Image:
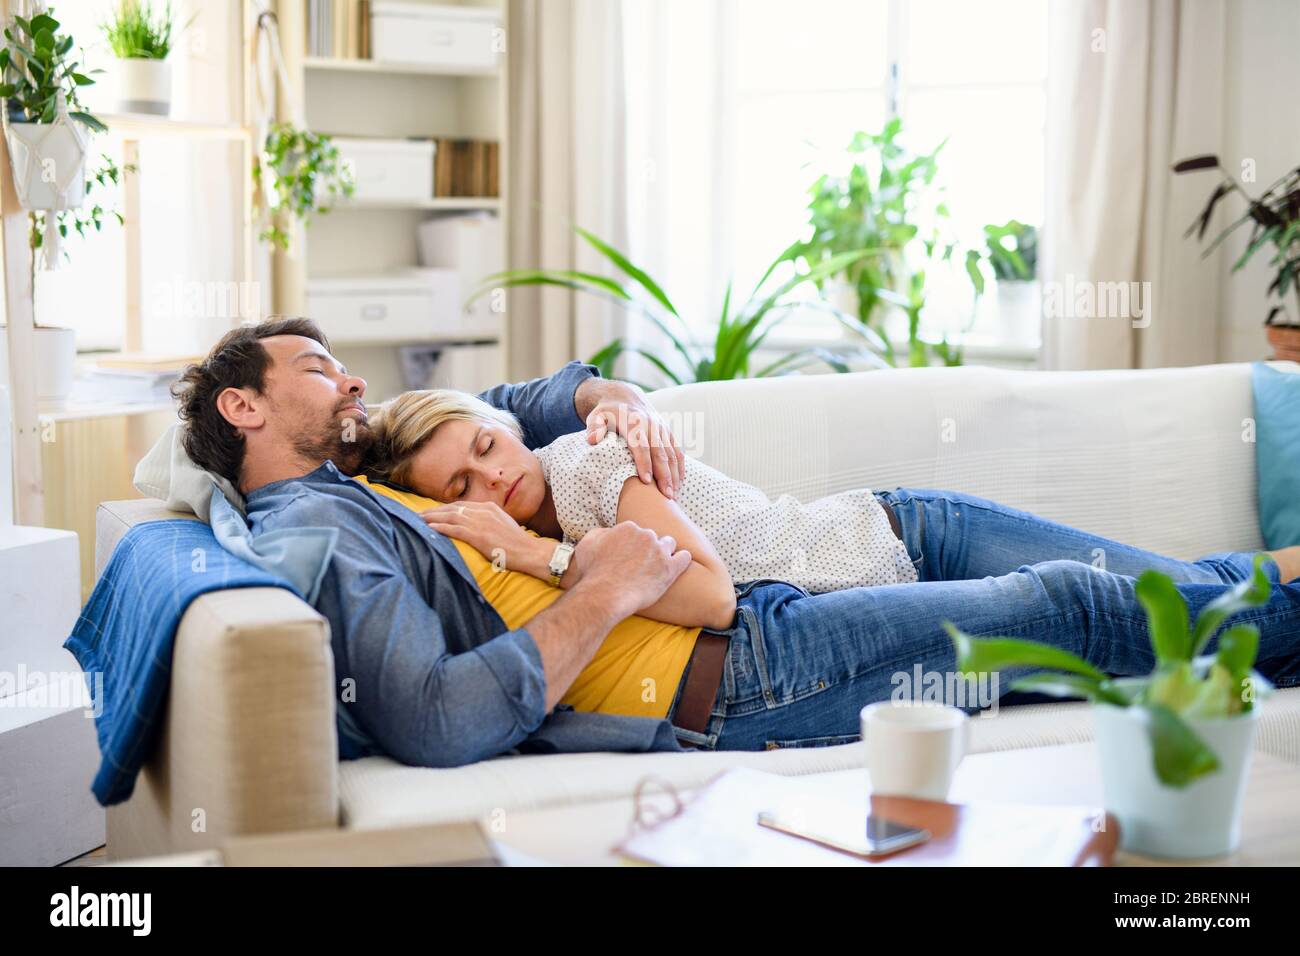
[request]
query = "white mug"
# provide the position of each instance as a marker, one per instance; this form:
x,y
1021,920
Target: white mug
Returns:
x,y
914,747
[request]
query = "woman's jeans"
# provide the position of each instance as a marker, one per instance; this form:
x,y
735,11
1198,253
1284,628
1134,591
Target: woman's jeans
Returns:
x,y
802,666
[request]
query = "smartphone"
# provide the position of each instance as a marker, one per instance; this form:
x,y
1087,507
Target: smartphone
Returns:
x,y
848,832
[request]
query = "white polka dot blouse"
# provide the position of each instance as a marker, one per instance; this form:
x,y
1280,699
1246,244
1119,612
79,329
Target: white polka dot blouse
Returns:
x,y
837,542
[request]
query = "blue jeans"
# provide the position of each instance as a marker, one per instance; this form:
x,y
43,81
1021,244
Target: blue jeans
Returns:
x,y
801,666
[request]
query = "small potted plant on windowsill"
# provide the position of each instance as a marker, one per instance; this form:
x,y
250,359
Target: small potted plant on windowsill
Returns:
x,y
1275,221
1175,746
141,39
1012,253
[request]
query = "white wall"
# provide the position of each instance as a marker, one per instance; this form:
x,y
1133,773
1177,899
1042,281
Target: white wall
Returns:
x,y
1262,123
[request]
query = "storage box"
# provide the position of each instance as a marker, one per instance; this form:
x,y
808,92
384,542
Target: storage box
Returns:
x,y
389,169
470,368
473,246
454,37
409,306
40,591
49,753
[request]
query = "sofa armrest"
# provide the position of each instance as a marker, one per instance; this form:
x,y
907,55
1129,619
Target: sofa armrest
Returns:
x,y
248,744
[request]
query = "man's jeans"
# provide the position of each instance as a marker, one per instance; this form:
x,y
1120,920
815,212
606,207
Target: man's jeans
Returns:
x,y
801,666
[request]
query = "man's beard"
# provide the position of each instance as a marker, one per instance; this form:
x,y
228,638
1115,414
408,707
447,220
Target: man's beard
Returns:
x,y
344,441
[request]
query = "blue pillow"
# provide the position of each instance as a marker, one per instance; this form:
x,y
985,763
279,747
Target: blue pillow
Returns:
x,y
1277,454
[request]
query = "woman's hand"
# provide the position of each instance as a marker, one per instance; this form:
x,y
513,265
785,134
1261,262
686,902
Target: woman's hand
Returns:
x,y
485,527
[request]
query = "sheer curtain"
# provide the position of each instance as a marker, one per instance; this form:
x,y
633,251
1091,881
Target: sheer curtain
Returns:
x,y
1133,86
567,167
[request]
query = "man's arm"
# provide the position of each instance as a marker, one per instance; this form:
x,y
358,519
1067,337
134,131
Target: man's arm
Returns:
x,y
427,706
546,407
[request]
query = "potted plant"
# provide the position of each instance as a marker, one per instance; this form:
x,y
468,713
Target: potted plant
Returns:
x,y
141,39
1011,250
1275,221
886,199
48,136
298,174
1175,746
739,333
47,131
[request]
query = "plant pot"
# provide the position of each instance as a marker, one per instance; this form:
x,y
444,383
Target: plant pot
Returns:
x,y
1200,820
49,164
142,86
56,360
1019,304
1285,340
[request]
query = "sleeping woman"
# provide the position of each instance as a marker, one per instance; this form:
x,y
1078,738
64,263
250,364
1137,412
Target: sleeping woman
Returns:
x,y
451,447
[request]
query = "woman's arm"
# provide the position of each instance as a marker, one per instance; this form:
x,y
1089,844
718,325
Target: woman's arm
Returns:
x,y
703,596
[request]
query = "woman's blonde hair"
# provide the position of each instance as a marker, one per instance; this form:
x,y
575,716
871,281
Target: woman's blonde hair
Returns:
x,y
404,425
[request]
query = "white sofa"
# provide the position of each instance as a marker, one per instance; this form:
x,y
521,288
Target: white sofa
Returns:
x,y
1153,458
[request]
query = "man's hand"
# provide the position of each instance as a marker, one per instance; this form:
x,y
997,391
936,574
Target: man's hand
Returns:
x,y
627,567
607,405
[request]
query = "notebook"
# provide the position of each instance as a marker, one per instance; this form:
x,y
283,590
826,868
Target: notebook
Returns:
x,y
719,827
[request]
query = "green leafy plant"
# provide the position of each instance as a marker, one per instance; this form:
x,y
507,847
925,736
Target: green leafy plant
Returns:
x,y
1012,251
740,330
1275,220
36,67
886,200
306,177
83,220
135,31
1184,684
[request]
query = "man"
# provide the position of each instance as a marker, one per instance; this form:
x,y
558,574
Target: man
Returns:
x,y
431,675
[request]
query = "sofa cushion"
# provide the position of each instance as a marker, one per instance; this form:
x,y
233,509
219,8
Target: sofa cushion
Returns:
x,y
1154,458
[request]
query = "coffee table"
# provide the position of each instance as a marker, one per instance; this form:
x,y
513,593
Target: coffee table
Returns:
x,y
582,834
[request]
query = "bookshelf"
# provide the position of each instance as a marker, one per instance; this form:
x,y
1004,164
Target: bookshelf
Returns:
x,y
372,99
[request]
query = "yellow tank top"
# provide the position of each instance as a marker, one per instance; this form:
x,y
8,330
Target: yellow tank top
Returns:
x,y
636,670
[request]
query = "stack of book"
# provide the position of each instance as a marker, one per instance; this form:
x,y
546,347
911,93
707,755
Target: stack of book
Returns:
x,y
130,379
339,29
466,167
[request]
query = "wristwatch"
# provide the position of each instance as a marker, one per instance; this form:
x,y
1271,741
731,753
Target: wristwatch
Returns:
x,y
560,561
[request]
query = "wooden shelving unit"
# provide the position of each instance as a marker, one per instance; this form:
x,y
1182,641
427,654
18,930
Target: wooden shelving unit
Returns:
x,y
374,99
374,66
31,418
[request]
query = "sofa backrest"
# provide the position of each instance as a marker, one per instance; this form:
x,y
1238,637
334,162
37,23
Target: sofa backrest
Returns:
x,y
1158,458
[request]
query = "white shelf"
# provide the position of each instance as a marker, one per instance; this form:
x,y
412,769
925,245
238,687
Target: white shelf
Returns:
x,y
137,125
444,204
72,411
335,65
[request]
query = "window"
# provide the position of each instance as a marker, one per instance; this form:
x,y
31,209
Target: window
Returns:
x,y
727,128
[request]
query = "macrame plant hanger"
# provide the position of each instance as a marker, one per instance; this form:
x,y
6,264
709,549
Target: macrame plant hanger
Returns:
x,y
268,60
62,184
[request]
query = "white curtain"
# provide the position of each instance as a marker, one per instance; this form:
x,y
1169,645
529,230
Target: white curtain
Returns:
x,y
567,167
1134,86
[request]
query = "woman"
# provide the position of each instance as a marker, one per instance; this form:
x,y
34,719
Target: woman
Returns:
x,y
451,447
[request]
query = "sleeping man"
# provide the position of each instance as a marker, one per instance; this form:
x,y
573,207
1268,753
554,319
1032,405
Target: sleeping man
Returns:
x,y
444,657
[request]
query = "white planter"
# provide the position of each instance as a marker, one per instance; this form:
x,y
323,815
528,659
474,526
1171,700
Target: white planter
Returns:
x,y
56,360
1200,820
142,86
49,164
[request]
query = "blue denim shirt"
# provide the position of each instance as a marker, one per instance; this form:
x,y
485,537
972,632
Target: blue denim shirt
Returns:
x,y
428,672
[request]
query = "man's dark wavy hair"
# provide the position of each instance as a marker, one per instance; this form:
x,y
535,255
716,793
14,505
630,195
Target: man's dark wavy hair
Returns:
x,y
239,360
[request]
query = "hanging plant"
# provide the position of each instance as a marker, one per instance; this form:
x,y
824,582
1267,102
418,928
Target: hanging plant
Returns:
x,y
297,175
81,221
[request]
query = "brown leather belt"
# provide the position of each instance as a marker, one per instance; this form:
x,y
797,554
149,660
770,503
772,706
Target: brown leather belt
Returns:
x,y
704,671
703,678
893,519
